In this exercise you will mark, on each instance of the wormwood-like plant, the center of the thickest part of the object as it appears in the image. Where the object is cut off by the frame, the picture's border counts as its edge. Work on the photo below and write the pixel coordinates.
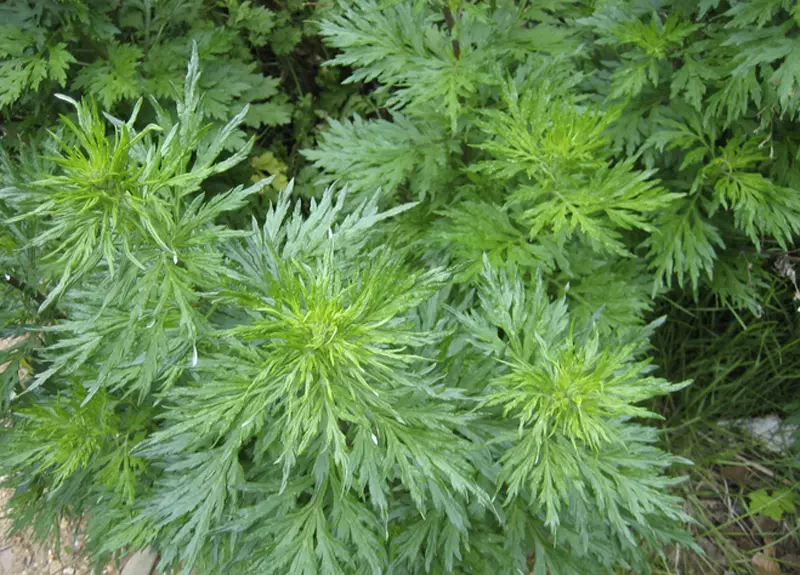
(308, 395)
(613, 150)
(116, 232)
(500, 109)
(116, 52)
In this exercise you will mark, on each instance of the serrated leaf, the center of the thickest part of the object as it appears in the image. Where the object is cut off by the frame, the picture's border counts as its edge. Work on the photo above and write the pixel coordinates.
(59, 62)
(775, 503)
(269, 114)
(683, 245)
(692, 79)
(115, 79)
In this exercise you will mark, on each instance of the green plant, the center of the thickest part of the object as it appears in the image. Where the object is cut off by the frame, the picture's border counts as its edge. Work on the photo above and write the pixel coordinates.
(117, 52)
(533, 136)
(552, 142)
(301, 396)
(446, 366)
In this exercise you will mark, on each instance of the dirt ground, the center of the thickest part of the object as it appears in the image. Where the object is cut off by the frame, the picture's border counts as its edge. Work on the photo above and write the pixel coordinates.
(20, 556)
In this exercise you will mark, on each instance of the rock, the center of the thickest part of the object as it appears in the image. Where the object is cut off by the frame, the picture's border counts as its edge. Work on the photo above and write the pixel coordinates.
(140, 563)
(6, 561)
(776, 435)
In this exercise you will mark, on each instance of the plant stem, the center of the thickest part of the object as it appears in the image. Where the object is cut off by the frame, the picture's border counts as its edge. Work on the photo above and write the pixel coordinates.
(448, 18)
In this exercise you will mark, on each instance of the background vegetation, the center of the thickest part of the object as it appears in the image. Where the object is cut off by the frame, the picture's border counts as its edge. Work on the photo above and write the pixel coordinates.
(447, 345)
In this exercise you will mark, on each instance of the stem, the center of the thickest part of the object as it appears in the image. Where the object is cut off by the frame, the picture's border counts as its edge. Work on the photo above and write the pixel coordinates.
(27, 290)
(448, 18)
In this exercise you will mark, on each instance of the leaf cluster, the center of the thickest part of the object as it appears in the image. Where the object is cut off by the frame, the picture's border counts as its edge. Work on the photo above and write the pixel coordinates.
(118, 52)
(440, 363)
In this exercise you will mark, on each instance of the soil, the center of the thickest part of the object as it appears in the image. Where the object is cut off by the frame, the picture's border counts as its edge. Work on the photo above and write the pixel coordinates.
(21, 555)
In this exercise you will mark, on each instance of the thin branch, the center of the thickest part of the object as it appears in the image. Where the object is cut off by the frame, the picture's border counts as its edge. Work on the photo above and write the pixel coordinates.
(448, 18)
(27, 290)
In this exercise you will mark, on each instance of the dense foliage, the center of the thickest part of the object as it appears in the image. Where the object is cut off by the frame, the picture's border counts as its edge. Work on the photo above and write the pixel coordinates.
(438, 358)
(120, 51)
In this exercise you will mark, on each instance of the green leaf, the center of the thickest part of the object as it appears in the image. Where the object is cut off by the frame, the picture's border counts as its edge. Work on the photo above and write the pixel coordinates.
(115, 79)
(378, 156)
(598, 207)
(787, 79)
(775, 503)
(59, 62)
(269, 114)
(683, 245)
(693, 79)
(258, 21)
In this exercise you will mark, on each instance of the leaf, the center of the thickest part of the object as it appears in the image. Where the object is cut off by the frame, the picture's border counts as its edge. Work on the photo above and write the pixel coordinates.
(267, 163)
(693, 79)
(403, 49)
(378, 156)
(258, 21)
(473, 231)
(705, 6)
(598, 206)
(629, 80)
(14, 41)
(775, 503)
(542, 136)
(59, 62)
(115, 79)
(765, 564)
(683, 245)
(787, 79)
(269, 114)
(759, 205)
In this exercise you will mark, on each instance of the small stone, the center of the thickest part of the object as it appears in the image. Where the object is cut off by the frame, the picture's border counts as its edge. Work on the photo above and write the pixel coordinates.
(140, 563)
(68, 571)
(6, 561)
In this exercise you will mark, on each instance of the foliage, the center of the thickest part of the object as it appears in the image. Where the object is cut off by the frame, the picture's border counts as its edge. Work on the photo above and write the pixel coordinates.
(439, 357)
(564, 137)
(774, 504)
(116, 52)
